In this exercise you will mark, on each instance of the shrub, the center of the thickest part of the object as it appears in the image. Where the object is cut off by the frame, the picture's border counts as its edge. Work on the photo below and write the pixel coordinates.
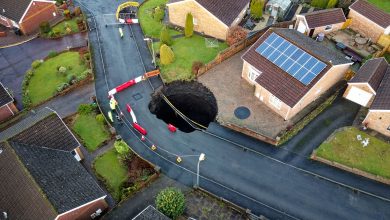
(123, 150)
(67, 14)
(256, 8)
(196, 65)
(71, 78)
(87, 56)
(165, 38)
(319, 3)
(189, 26)
(171, 202)
(36, 64)
(235, 34)
(100, 118)
(62, 86)
(158, 13)
(344, 4)
(166, 55)
(26, 100)
(85, 109)
(77, 11)
(62, 69)
(52, 54)
(44, 27)
(332, 3)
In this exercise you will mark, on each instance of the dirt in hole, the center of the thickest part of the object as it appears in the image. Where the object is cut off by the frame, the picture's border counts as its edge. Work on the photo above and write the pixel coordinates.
(193, 99)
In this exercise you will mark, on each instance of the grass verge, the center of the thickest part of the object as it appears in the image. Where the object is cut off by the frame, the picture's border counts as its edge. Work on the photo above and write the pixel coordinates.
(382, 4)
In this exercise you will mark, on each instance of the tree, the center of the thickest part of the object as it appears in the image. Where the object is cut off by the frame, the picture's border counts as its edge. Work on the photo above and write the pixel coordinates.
(332, 3)
(165, 38)
(256, 8)
(166, 55)
(189, 28)
(159, 13)
(344, 4)
(122, 148)
(171, 202)
(319, 3)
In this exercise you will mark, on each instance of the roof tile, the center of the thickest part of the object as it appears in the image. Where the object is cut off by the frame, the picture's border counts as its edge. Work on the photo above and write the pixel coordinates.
(382, 98)
(371, 72)
(324, 17)
(371, 12)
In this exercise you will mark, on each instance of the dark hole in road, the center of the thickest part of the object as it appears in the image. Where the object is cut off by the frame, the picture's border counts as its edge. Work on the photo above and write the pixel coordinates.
(191, 98)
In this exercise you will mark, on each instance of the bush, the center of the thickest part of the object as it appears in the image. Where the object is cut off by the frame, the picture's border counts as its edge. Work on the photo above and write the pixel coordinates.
(189, 26)
(36, 64)
(319, 3)
(62, 87)
(44, 27)
(256, 8)
(166, 55)
(77, 11)
(52, 54)
(62, 69)
(171, 202)
(235, 34)
(85, 109)
(87, 56)
(332, 3)
(123, 149)
(71, 78)
(100, 118)
(158, 13)
(196, 65)
(67, 14)
(165, 38)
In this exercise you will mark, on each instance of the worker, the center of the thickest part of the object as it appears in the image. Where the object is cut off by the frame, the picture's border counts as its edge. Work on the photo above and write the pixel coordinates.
(113, 103)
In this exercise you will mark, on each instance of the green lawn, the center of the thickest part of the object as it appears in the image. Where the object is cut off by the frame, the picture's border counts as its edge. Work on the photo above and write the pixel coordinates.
(150, 26)
(387, 56)
(112, 170)
(61, 27)
(382, 4)
(46, 78)
(188, 50)
(90, 131)
(344, 148)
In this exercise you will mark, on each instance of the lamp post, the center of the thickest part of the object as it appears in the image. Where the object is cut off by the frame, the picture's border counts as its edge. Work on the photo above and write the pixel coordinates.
(154, 57)
(202, 157)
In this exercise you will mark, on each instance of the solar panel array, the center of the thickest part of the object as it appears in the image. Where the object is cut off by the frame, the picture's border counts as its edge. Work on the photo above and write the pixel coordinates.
(296, 62)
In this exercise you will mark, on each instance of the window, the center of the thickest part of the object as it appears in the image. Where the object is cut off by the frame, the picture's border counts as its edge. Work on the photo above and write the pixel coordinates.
(253, 74)
(275, 102)
(195, 21)
(328, 27)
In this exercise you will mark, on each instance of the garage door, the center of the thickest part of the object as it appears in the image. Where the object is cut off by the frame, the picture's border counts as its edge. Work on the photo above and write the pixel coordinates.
(359, 96)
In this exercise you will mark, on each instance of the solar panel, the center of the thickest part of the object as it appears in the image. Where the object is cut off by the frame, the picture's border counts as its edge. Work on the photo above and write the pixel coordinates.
(296, 62)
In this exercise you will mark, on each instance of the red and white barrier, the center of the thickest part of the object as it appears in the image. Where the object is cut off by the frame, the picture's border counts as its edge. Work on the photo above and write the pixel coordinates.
(140, 129)
(128, 107)
(125, 85)
(135, 123)
(131, 21)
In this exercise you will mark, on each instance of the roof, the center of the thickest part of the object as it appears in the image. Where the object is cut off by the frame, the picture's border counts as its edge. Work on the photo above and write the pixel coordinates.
(372, 72)
(150, 213)
(12, 9)
(285, 87)
(43, 128)
(225, 10)
(20, 196)
(5, 97)
(371, 12)
(324, 17)
(382, 98)
(61, 177)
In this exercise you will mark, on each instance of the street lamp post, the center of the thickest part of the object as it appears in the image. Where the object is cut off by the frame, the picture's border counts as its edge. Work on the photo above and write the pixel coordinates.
(154, 57)
(202, 157)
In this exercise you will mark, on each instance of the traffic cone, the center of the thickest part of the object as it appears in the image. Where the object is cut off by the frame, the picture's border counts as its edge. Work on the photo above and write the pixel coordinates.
(142, 138)
(178, 159)
(153, 147)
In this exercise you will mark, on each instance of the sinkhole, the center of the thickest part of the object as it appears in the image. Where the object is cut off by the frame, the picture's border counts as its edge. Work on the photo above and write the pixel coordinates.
(192, 99)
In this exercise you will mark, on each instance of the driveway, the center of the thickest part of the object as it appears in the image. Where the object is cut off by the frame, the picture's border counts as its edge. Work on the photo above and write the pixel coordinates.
(15, 61)
(278, 183)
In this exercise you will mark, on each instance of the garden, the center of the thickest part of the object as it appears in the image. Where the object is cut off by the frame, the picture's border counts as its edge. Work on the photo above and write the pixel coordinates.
(179, 54)
(348, 147)
(58, 72)
(122, 171)
(90, 126)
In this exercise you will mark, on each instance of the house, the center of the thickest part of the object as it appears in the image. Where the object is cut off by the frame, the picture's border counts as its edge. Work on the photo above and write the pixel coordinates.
(40, 178)
(290, 70)
(26, 15)
(369, 20)
(370, 87)
(211, 17)
(7, 106)
(322, 21)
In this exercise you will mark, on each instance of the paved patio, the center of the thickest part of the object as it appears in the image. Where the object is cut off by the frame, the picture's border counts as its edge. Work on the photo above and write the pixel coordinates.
(231, 92)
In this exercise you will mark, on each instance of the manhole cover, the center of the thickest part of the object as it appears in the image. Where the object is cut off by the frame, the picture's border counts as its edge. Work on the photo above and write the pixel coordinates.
(242, 112)
(137, 96)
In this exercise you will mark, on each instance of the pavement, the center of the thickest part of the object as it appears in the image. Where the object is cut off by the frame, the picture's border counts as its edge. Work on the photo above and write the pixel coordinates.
(16, 60)
(279, 183)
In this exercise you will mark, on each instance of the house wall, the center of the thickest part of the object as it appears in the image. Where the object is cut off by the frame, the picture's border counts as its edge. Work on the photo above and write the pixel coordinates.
(84, 212)
(378, 121)
(335, 27)
(365, 26)
(7, 111)
(206, 22)
(37, 13)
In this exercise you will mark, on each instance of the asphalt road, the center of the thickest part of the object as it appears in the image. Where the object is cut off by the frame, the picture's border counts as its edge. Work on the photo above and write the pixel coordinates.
(278, 183)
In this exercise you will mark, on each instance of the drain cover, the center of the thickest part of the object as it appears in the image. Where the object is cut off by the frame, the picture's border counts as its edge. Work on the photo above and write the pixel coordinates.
(137, 96)
(242, 112)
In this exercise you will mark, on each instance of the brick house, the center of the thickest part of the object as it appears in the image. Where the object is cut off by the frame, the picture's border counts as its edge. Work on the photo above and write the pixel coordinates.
(290, 70)
(369, 20)
(26, 15)
(323, 21)
(40, 177)
(370, 87)
(7, 106)
(211, 17)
